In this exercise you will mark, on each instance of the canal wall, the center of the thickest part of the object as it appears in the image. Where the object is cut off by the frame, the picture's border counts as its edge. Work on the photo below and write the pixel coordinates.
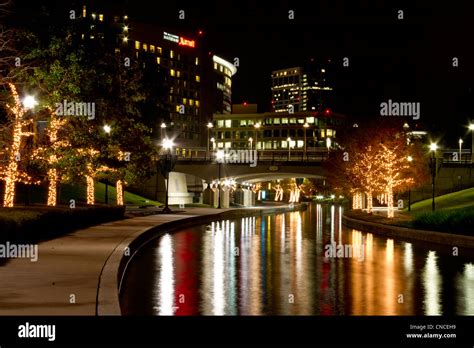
(115, 268)
(454, 240)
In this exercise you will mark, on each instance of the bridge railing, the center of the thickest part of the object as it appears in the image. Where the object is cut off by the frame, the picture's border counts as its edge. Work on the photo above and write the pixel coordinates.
(262, 155)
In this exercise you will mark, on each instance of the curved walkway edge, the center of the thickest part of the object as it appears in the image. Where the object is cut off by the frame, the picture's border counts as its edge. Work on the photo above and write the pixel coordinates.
(79, 273)
(456, 240)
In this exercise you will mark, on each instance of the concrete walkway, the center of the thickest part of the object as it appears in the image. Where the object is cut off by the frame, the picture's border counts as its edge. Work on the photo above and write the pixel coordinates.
(70, 269)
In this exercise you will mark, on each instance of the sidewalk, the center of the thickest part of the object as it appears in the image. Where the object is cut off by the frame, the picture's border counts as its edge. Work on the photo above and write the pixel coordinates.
(70, 268)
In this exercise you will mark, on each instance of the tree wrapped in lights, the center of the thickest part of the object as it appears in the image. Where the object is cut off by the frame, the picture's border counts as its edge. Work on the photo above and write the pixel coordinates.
(13, 173)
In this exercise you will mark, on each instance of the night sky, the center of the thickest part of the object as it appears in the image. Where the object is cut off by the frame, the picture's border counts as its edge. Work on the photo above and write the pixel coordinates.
(408, 60)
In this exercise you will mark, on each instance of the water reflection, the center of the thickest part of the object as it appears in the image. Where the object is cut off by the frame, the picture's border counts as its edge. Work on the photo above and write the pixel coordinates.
(277, 265)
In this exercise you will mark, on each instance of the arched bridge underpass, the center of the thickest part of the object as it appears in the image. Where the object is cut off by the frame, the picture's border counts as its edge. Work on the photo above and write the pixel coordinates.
(244, 172)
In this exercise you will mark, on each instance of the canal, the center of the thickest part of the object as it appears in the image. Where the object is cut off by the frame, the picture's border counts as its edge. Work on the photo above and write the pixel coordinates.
(299, 263)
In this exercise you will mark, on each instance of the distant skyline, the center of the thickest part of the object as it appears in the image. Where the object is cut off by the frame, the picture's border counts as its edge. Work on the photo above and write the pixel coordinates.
(407, 60)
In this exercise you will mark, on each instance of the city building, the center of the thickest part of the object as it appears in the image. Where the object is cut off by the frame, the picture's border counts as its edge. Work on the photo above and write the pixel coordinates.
(305, 88)
(198, 83)
(276, 131)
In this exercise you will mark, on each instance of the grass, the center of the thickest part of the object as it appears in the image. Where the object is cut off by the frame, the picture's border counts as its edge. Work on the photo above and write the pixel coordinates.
(78, 193)
(463, 199)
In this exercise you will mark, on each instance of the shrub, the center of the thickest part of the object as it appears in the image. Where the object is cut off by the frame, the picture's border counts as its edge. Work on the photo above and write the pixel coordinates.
(31, 224)
(460, 221)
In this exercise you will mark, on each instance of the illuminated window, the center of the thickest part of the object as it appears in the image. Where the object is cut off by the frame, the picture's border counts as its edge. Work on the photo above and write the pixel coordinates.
(329, 132)
(158, 60)
(185, 101)
(276, 121)
(198, 78)
(171, 54)
(177, 108)
(152, 48)
(172, 72)
(94, 16)
(191, 102)
(323, 134)
(137, 45)
(284, 120)
(196, 61)
(215, 66)
(221, 68)
(178, 73)
(101, 17)
(145, 47)
(228, 123)
(84, 12)
(160, 50)
(220, 123)
(197, 103)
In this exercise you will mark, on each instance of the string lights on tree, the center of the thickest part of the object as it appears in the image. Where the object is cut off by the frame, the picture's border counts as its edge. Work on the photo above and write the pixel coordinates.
(12, 174)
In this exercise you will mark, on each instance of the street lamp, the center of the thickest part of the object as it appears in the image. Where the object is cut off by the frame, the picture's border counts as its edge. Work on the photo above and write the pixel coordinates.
(410, 159)
(460, 149)
(29, 102)
(305, 127)
(163, 127)
(257, 127)
(250, 141)
(328, 143)
(289, 148)
(209, 126)
(220, 157)
(167, 163)
(471, 128)
(107, 130)
(433, 148)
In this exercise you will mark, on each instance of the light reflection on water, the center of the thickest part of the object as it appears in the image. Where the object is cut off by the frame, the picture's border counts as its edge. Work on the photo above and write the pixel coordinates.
(276, 265)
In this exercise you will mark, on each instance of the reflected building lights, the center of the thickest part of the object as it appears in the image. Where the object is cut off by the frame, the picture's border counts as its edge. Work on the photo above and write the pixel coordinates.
(408, 258)
(218, 270)
(465, 285)
(432, 286)
(166, 304)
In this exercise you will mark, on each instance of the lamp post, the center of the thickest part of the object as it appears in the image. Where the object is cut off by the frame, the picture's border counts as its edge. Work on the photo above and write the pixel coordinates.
(220, 157)
(163, 129)
(167, 163)
(410, 159)
(107, 130)
(433, 148)
(460, 149)
(209, 126)
(305, 127)
(289, 148)
(213, 141)
(328, 144)
(257, 127)
(471, 127)
(250, 141)
(29, 102)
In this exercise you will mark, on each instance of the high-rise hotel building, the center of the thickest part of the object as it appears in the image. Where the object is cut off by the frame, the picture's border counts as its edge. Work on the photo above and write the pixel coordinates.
(301, 89)
(198, 83)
